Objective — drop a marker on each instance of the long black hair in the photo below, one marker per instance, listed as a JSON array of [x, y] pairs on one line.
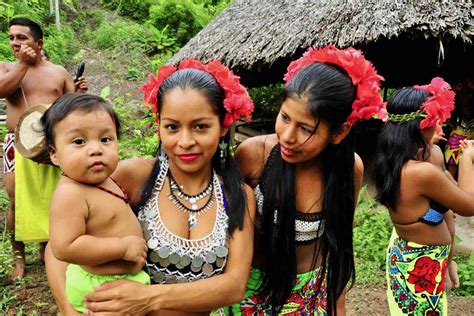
[[205, 83], [328, 94], [398, 143]]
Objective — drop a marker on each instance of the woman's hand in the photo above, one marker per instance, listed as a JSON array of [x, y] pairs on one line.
[[467, 148], [121, 296]]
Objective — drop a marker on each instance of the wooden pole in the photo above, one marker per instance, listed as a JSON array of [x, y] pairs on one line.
[[58, 23]]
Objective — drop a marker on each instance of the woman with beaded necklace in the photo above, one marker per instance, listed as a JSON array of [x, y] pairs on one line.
[[306, 178], [195, 211]]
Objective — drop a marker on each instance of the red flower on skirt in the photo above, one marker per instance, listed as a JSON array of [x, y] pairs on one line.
[[423, 275]]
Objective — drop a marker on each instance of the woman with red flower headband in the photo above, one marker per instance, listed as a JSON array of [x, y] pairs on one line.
[[196, 213], [418, 195], [306, 178]]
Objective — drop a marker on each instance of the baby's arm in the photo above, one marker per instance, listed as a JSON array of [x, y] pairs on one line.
[[68, 233]]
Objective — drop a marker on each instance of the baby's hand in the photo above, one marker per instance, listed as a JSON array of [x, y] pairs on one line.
[[136, 249]]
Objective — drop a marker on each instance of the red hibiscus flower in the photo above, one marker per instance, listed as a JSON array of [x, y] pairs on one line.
[[424, 274], [368, 102], [237, 101]]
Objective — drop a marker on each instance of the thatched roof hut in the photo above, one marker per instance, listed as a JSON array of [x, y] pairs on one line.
[[404, 39]]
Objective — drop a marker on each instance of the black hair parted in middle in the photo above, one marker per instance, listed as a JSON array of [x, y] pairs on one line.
[[71, 102], [328, 93], [398, 143], [205, 83]]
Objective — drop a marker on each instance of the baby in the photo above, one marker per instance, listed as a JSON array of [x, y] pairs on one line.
[[92, 226]]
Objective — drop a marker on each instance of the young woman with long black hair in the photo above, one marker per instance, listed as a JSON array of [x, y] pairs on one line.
[[306, 178], [195, 211], [418, 195]]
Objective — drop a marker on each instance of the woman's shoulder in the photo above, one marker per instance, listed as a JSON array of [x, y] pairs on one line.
[[257, 145], [133, 172], [252, 153], [423, 172]]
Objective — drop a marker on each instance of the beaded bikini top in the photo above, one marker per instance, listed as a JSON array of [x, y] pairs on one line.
[[173, 259], [308, 226]]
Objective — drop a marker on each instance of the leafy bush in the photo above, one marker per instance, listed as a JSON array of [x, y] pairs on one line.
[[466, 274], [184, 18], [138, 133], [372, 229], [6, 53], [124, 36], [61, 45], [267, 100], [135, 9], [91, 18]]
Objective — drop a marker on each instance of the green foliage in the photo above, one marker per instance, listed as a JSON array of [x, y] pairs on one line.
[[267, 100], [184, 18], [138, 131], [466, 274], [135, 9], [89, 18], [123, 36], [372, 229], [61, 45]]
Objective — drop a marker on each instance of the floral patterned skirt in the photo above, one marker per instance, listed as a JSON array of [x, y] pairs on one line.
[[307, 297], [415, 278]]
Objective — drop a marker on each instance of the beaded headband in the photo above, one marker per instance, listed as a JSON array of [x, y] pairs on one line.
[[368, 102], [436, 108], [237, 101]]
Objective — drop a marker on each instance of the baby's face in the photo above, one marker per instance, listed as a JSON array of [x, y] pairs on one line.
[[86, 146]]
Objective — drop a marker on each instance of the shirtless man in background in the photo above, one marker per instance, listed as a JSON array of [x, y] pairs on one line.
[[29, 81]]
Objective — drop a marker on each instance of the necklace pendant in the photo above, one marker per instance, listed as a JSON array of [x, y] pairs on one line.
[[194, 207], [192, 221]]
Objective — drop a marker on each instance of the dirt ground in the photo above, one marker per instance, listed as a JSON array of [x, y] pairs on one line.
[[34, 295]]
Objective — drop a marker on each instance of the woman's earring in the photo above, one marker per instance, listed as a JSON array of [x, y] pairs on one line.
[[162, 157], [223, 153]]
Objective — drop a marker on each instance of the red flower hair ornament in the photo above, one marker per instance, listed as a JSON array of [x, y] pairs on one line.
[[237, 101], [368, 102], [437, 107]]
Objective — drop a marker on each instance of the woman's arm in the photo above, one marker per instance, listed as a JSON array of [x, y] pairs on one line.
[[203, 295], [56, 274], [358, 176], [132, 174]]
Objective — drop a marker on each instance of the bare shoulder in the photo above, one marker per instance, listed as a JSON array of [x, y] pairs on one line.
[[136, 169], [252, 153], [59, 69], [67, 192], [421, 172]]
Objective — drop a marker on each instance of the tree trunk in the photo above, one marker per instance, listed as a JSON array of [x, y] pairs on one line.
[[58, 23]]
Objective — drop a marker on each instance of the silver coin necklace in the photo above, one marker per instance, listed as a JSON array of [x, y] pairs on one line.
[[178, 197]]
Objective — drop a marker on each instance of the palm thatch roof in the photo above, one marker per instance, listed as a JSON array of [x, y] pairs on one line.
[[259, 35]]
